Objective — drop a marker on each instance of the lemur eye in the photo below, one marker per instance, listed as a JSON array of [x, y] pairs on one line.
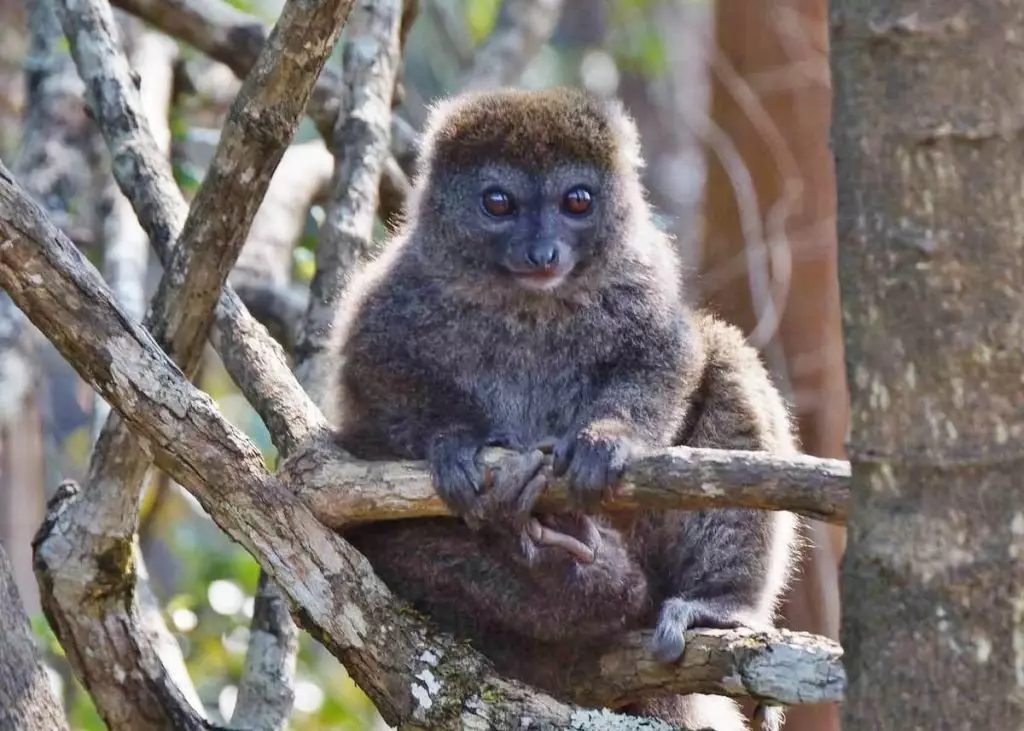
[[497, 202], [577, 201]]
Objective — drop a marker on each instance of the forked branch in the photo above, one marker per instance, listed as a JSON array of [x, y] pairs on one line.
[[411, 673]]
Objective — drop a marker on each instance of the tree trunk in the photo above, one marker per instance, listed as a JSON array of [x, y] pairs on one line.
[[928, 100], [27, 702]]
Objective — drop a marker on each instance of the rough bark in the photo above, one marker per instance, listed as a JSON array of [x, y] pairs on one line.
[[927, 134], [27, 702], [412, 674], [771, 97], [60, 147], [342, 491], [259, 127]]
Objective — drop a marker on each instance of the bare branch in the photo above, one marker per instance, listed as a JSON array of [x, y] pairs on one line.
[[360, 143], [265, 693], [125, 244], [254, 360], [342, 491], [258, 130], [235, 38], [780, 666], [27, 702], [412, 674], [523, 26]]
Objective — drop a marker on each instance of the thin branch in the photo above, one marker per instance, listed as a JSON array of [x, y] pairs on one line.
[[342, 491], [523, 26], [235, 38], [125, 244], [360, 143], [266, 690], [412, 674]]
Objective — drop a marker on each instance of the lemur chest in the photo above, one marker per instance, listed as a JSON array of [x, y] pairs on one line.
[[532, 391]]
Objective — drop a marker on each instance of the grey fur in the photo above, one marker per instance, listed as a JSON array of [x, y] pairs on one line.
[[441, 351]]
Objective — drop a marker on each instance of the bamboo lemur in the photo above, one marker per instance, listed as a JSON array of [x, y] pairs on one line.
[[529, 298]]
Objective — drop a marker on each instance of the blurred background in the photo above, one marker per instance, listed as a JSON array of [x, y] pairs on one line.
[[733, 103]]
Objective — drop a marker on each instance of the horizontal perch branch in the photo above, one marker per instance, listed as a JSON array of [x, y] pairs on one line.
[[342, 491], [411, 673]]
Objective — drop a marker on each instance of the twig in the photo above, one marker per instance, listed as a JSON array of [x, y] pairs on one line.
[[412, 674], [343, 492]]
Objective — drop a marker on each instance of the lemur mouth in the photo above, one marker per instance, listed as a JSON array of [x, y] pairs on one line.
[[545, 279]]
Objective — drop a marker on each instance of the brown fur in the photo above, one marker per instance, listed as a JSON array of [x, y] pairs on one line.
[[536, 130], [442, 352]]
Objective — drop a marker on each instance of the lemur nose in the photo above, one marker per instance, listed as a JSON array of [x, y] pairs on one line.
[[543, 254]]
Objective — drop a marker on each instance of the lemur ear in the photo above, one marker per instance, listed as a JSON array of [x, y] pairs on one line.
[[625, 130]]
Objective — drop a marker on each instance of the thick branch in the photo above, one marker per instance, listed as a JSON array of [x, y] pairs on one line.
[[254, 360], [259, 127], [411, 673], [342, 491], [96, 627]]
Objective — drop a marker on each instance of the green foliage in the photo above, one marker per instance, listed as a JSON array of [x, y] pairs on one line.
[[635, 39], [480, 16]]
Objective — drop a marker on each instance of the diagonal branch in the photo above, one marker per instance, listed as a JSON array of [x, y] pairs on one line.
[[259, 128], [412, 674], [235, 38], [359, 144]]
